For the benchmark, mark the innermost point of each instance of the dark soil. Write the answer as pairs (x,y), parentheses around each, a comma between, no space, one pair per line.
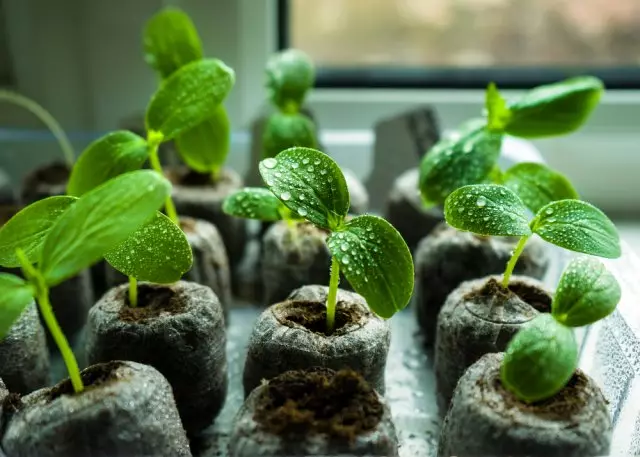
(340,404)
(533,296)
(12,403)
(313,316)
(189,178)
(92,377)
(153,301)
(53,174)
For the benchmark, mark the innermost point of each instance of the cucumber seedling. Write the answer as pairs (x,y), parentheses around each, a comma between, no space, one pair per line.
(260,204)
(371,253)
(55,238)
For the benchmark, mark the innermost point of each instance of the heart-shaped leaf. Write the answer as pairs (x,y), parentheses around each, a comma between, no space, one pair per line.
(587,292)
(171,41)
(538,185)
(466,158)
(376,261)
(114,154)
(204,148)
(283,131)
(540,359)
(487,209)
(555,109)
(188,97)
(28,229)
(290,74)
(158,252)
(99,221)
(253,203)
(497,111)
(310,184)
(15,295)
(578,226)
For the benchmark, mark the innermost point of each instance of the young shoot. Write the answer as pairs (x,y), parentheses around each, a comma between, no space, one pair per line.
(543,356)
(494,210)
(56,238)
(261,204)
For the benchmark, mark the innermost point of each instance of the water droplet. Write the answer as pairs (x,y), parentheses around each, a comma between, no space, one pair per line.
(468,147)
(481,202)
(310,169)
(323,172)
(345,260)
(270,163)
(316,162)
(269,182)
(305,161)
(460,210)
(285,196)
(549,211)
(341,235)
(302,212)
(344,247)
(295,165)
(302,197)
(277,174)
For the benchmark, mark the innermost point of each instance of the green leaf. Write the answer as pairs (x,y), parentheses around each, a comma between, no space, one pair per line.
(538,185)
(100,220)
(253,203)
(188,97)
(284,131)
(290,74)
(487,209)
(28,229)
(309,183)
(467,158)
(171,41)
(540,359)
(15,295)
(496,176)
(497,110)
(114,154)
(587,293)
(578,226)
(158,252)
(555,109)
(204,148)
(376,261)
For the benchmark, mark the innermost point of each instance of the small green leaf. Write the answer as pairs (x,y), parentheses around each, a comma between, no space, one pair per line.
(578,226)
(188,97)
(540,359)
(497,110)
(283,131)
(114,154)
(253,203)
(555,109)
(487,209)
(467,158)
(100,220)
(171,41)
(496,176)
(290,74)
(204,148)
(587,293)
(376,261)
(538,185)
(309,183)
(28,229)
(15,295)
(158,252)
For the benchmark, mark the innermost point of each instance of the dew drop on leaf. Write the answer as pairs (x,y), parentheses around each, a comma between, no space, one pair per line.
(344,247)
(549,211)
(481,202)
(316,162)
(305,161)
(270,163)
(285,196)
(345,260)
(302,212)
(295,165)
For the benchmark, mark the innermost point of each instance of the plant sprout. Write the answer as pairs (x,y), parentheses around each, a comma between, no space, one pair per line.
(494,210)
(55,238)
(543,356)
(373,256)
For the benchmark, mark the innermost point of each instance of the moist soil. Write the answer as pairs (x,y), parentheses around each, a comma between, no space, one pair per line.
(190,178)
(532,296)
(92,377)
(153,301)
(313,316)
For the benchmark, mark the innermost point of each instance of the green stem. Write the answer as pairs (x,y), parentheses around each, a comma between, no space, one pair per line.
(46,118)
(133,292)
(154,160)
(512,261)
(333,294)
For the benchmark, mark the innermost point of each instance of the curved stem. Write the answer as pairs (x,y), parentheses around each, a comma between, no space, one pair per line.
(154,160)
(46,118)
(512,261)
(333,294)
(133,292)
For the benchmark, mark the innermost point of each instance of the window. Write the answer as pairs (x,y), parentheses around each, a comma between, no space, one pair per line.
(465,43)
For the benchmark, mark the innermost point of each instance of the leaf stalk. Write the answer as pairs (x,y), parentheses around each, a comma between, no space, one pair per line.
(332,296)
(512,261)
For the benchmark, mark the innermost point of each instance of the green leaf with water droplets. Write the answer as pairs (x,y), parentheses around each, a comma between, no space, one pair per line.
(113,154)
(540,359)
(487,209)
(283,131)
(188,97)
(28,229)
(254,203)
(15,295)
(555,109)
(466,158)
(578,226)
(497,111)
(158,252)
(290,74)
(538,185)
(376,261)
(310,184)
(587,292)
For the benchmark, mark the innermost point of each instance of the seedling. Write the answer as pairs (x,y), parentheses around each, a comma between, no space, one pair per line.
(374,257)
(259,203)
(543,356)
(55,238)
(490,209)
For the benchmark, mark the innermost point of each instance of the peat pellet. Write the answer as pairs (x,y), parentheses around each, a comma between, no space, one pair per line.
(406,212)
(45,181)
(291,335)
(487,419)
(178,329)
(315,412)
(447,257)
(478,318)
(24,357)
(126,409)
(358,196)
